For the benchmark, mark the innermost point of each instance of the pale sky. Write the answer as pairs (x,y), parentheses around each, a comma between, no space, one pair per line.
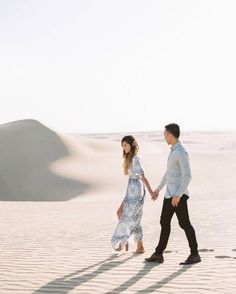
(111,66)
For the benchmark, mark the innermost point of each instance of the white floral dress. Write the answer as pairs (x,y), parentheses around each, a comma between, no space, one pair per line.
(130,221)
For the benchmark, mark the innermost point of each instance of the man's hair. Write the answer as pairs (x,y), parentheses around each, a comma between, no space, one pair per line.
(173,129)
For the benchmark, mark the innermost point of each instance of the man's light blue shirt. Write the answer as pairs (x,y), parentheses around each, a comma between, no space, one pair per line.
(178,174)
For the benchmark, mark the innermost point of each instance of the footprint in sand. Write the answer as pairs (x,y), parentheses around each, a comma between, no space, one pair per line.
(217,256)
(170,251)
(226,256)
(206,250)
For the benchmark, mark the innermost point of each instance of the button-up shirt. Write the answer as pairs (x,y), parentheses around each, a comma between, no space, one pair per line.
(178,174)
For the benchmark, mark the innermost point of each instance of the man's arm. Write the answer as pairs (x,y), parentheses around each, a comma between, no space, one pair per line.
(162,184)
(158,189)
(186,172)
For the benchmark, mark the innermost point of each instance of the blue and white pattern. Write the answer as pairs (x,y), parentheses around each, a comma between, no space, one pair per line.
(130,221)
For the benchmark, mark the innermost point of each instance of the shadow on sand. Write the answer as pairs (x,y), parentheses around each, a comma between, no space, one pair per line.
(67,283)
(27,148)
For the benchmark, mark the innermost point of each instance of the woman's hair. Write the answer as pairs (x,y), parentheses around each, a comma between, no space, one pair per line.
(133,151)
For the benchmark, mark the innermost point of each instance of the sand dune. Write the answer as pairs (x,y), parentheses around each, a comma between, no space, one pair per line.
(27,149)
(64,246)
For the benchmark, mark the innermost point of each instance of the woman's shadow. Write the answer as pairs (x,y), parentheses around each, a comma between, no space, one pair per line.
(69,282)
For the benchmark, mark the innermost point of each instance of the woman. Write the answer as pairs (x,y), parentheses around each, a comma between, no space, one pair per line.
(131,209)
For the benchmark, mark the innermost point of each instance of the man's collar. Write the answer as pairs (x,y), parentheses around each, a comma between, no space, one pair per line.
(175,145)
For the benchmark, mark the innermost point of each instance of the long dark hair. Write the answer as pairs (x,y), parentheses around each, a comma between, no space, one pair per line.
(133,151)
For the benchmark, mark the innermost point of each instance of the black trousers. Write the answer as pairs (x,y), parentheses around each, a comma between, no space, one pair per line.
(183,217)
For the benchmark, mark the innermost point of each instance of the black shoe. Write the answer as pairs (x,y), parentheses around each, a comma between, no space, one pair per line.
(192,259)
(155,258)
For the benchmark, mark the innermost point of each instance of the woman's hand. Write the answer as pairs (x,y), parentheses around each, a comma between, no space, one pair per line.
(154,194)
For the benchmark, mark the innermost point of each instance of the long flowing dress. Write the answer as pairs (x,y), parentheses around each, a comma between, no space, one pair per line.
(130,221)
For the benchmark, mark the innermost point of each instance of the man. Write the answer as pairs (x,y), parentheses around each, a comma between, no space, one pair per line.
(177,178)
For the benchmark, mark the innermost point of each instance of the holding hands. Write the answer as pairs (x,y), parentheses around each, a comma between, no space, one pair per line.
(154,195)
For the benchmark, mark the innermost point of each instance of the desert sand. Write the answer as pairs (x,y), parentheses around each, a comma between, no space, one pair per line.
(59,195)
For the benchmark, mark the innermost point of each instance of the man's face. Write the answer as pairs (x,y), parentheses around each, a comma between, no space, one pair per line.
(168,137)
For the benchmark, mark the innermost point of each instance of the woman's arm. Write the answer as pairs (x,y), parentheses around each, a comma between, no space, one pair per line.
(139,173)
(146,183)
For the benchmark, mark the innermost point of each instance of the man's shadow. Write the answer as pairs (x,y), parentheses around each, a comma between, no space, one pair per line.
(144,271)
(166,280)
(69,282)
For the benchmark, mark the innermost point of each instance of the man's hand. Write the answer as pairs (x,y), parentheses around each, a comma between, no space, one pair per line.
(175,200)
(154,195)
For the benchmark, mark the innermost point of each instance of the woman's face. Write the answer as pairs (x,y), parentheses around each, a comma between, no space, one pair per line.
(126,147)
